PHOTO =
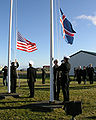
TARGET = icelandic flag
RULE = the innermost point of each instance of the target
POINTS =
(67, 30)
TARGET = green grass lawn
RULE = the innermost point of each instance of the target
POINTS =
(19, 108)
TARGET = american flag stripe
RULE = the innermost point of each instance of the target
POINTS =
(25, 45)
(29, 48)
(26, 49)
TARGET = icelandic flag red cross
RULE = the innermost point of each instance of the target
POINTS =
(67, 30)
(25, 45)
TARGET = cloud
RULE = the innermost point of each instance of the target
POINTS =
(91, 18)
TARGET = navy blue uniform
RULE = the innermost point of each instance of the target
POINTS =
(91, 74)
(31, 77)
(5, 72)
(56, 83)
(43, 76)
(65, 68)
(13, 76)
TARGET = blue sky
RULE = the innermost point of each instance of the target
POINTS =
(33, 22)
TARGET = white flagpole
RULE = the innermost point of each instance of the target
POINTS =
(51, 51)
(9, 47)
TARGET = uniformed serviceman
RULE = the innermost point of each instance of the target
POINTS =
(43, 75)
(90, 73)
(14, 66)
(31, 78)
(79, 74)
(5, 74)
(56, 79)
(65, 68)
(84, 73)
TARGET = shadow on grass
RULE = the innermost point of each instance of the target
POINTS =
(92, 117)
(22, 85)
(17, 102)
(37, 107)
(45, 89)
(83, 87)
(42, 85)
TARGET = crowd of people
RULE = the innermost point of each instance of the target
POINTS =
(87, 73)
(61, 77)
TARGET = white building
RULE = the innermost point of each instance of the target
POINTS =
(82, 58)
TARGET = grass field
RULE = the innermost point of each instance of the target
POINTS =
(19, 108)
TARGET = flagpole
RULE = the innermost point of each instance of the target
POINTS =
(9, 47)
(51, 51)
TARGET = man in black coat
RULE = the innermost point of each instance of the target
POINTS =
(65, 68)
(31, 78)
(56, 82)
(14, 66)
(5, 74)
(90, 73)
(84, 73)
(43, 75)
(79, 74)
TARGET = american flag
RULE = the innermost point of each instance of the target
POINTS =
(67, 30)
(25, 45)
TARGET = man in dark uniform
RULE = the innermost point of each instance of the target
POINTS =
(84, 73)
(31, 78)
(43, 75)
(14, 66)
(65, 68)
(79, 74)
(5, 73)
(90, 73)
(56, 80)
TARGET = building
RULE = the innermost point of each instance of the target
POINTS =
(46, 67)
(82, 58)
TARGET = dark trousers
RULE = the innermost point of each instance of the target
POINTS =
(79, 79)
(43, 80)
(31, 87)
(58, 89)
(54, 91)
(13, 85)
(91, 79)
(65, 90)
(84, 79)
(5, 80)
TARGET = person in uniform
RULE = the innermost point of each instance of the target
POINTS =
(56, 80)
(79, 74)
(65, 68)
(90, 73)
(5, 74)
(31, 78)
(14, 66)
(43, 75)
(84, 73)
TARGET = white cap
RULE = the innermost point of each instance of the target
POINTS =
(67, 57)
(31, 62)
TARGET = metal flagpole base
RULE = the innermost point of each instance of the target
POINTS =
(51, 102)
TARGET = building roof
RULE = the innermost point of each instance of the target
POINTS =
(81, 51)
